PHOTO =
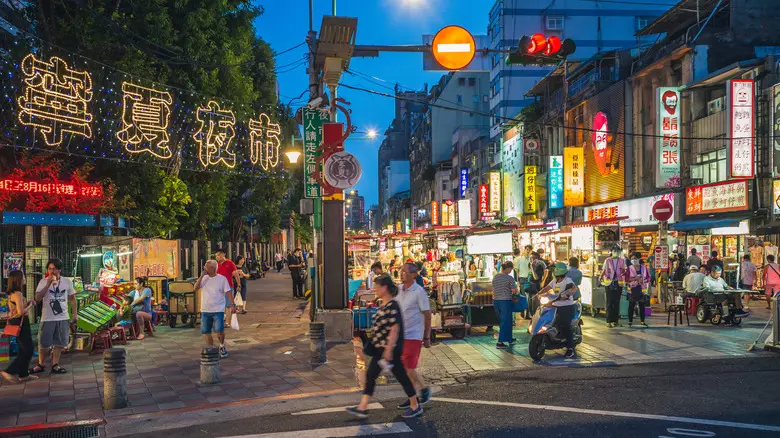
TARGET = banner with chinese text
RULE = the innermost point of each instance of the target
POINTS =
(312, 141)
(530, 190)
(667, 111)
(555, 182)
(573, 176)
(717, 197)
(740, 123)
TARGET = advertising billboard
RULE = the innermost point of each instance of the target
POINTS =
(512, 164)
(573, 176)
(555, 182)
(667, 116)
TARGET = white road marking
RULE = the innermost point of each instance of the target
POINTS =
(371, 406)
(362, 430)
(454, 48)
(670, 343)
(686, 420)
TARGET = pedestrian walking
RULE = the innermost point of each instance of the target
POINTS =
(376, 271)
(228, 270)
(771, 279)
(503, 288)
(215, 295)
(386, 350)
(575, 275)
(18, 370)
(638, 281)
(243, 274)
(279, 262)
(141, 305)
(747, 276)
(416, 311)
(522, 263)
(295, 265)
(613, 278)
(56, 293)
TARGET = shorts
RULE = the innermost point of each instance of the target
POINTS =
(212, 322)
(54, 334)
(411, 354)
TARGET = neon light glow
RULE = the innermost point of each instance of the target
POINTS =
(146, 115)
(264, 142)
(216, 132)
(64, 189)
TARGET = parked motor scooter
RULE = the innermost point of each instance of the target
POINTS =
(545, 328)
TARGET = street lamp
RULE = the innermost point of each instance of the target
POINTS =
(371, 134)
(293, 153)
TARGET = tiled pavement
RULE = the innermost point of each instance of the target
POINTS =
(269, 357)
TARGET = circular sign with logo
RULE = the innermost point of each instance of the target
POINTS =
(531, 146)
(342, 170)
(663, 210)
(453, 47)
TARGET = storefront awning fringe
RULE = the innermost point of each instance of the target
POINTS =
(705, 224)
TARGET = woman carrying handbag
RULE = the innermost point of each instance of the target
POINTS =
(18, 325)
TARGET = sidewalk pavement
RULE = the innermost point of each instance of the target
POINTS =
(269, 358)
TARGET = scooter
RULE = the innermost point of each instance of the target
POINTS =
(715, 308)
(544, 327)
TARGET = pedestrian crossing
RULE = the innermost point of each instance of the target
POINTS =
(359, 430)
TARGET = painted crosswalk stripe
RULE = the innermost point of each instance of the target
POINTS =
(371, 406)
(361, 430)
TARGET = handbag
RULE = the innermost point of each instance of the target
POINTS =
(519, 303)
(13, 330)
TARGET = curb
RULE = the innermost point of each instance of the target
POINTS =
(48, 427)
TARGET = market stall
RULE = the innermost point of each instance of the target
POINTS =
(488, 247)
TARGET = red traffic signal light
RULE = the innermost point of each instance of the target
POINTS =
(538, 49)
(553, 46)
(536, 44)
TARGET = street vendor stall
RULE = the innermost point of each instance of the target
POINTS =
(488, 247)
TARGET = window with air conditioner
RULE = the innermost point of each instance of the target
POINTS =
(554, 22)
(643, 21)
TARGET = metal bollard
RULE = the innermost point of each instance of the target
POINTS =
(317, 346)
(114, 379)
(209, 365)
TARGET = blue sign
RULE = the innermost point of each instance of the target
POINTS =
(464, 181)
(556, 182)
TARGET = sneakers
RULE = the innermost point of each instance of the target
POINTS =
(570, 354)
(223, 351)
(411, 413)
(425, 396)
(643, 324)
(404, 405)
(513, 340)
(355, 412)
(739, 313)
(500, 345)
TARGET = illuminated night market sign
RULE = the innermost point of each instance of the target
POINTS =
(49, 188)
(75, 105)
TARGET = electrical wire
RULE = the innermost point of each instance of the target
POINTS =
(287, 50)
(293, 68)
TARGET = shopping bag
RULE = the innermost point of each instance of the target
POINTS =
(234, 322)
(238, 300)
(519, 303)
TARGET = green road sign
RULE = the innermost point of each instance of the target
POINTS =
(312, 141)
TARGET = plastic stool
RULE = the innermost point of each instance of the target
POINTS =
(120, 334)
(103, 338)
(148, 328)
(162, 317)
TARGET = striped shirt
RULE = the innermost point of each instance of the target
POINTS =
(502, 287)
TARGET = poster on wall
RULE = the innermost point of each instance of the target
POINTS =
(155, 257)
(512, 164)
(555, 182)
(532, 147)
(530, 190)
(573, 176)
(667, 112)
(12, 261)
(740, 128)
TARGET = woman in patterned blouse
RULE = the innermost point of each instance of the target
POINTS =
(386, 344)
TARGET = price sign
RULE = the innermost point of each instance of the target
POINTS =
(661, 257)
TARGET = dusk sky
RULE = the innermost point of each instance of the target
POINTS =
(385, 22)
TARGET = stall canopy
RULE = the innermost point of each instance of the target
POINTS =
(705, 224)
(596, 222)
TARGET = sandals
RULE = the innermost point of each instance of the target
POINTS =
(57, 369)
(37, 369)
(9, 377)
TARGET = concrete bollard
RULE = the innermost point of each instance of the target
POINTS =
(317, 346)
(114, 379)
(209, 365)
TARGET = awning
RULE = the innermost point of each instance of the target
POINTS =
(705, 224)
(721, 76)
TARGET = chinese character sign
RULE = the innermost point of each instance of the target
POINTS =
(448, 213)
(740, 104)
(264, 142)
(573, 176)
(53, 188)
(312, 141)
(464, 181)
(512, 166)
(214, 136)
(55, 99)
(667, 172)
(530, 190)
(555, 180)
(495, 191)
(146, 115)
(434, 213)
(483, 199)
(717, 197)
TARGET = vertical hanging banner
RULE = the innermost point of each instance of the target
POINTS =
(495, 191)
(740, 123)
(530, 190)
(555, 180)
(574, 176)
(312, 140)
(512, 169)
(434, 213)
(483, 199)
(448, 213)
(464, 213)
(464, 181)
(667, 116)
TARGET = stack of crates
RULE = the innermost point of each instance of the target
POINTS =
(95, 316)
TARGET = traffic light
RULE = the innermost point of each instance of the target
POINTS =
(540, 50)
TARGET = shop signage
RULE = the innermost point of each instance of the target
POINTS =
(661, 260)
(776, 195)
(530, 190)
(398, 228)
(495, 191)
(531, 147)
(464, 181)
(155, 257)
(447, 212)
(434, 213)
(639, 211)
(717, 197)
(573, 176)
(382, 245)
(407, 225)
(312, 139)
(483, 199)
(512, 167)
(555, 181)
(775, 134)
(464, 213)
(740, 124)
(667, 113)
(51, 188)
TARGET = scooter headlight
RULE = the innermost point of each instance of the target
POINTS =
(544, 300)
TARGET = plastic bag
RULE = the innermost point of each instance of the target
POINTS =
(238, 300)
(234, 322)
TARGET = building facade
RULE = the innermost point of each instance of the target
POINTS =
(355, 211)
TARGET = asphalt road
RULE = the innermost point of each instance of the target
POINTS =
(716, 398)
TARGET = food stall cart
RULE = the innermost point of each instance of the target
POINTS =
(487, 246)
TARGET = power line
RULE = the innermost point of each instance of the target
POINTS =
(511, 119)
(295, 67)
(287, 50)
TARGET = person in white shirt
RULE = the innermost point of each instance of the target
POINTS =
(714, 283)
(522, 264)
(416, 314)
(693, 281)
(55, 292)
(565, 288)
(215, 291)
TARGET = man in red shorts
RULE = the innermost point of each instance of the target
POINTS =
(416, 314)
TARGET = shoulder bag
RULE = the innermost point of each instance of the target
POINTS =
(13, 330)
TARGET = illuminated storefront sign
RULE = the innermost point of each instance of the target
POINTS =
(530, 190)
(483, 199)
(464, 181)
(740, 123)
(639, 211)
(555, 180)
(407, 225)
(464, 213)
(512, 166)
(495, 191)
(776, 195)
(49, 188)
(716, 198)
(434, 213)
(667, 112)
(448, 213)
(573, 176)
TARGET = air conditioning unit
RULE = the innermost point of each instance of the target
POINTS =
(714, 106)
